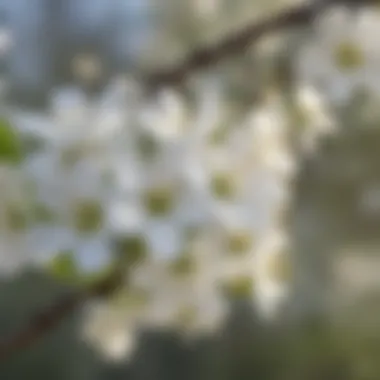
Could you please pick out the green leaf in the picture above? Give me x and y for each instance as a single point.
(63, 267)
(10, 144)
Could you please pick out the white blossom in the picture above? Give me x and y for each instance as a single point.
(343, 55)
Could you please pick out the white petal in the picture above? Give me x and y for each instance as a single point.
(164, 238)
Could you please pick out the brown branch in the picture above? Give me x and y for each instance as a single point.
(44, 322)
(297, 16)
(209, 55)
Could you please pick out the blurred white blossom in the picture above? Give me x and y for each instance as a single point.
(201, 191)
(343, 55)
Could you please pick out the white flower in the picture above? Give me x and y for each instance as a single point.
(70, 114)
(129, 174)
(265, 195)
(343, 56)
(210, 109)
(268, 138)
(189, 198)
(207, 8)
(37, 124)
(93, 254)
(164, 238)
(42, 249)
(126, 215)
(165, 116)
(122, 91)
(110, 331)
(194, 209)
(313, 115)
(271, 272)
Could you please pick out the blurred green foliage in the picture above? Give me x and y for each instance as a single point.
(244, 348)
(63, 267)
(10, 144)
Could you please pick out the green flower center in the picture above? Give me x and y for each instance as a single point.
(16, 218)
(88, 216)
(183, 265)
(159, 202)
(238, 287)
(223, 186)
(131, 248)
(240, 242)
(348, 56)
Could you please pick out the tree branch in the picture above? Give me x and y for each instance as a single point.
(297, 16)
(44, 322)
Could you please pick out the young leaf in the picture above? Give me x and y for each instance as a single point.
(10, 144)
(63, 267)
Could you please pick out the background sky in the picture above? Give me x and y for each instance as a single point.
(43, 29)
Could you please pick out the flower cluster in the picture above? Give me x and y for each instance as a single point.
(192, 197)
(342, 56)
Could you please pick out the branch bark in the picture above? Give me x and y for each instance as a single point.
(294, 17)
(44, 322)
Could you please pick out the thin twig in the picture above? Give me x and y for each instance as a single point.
(44, 322)
(297, 16)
